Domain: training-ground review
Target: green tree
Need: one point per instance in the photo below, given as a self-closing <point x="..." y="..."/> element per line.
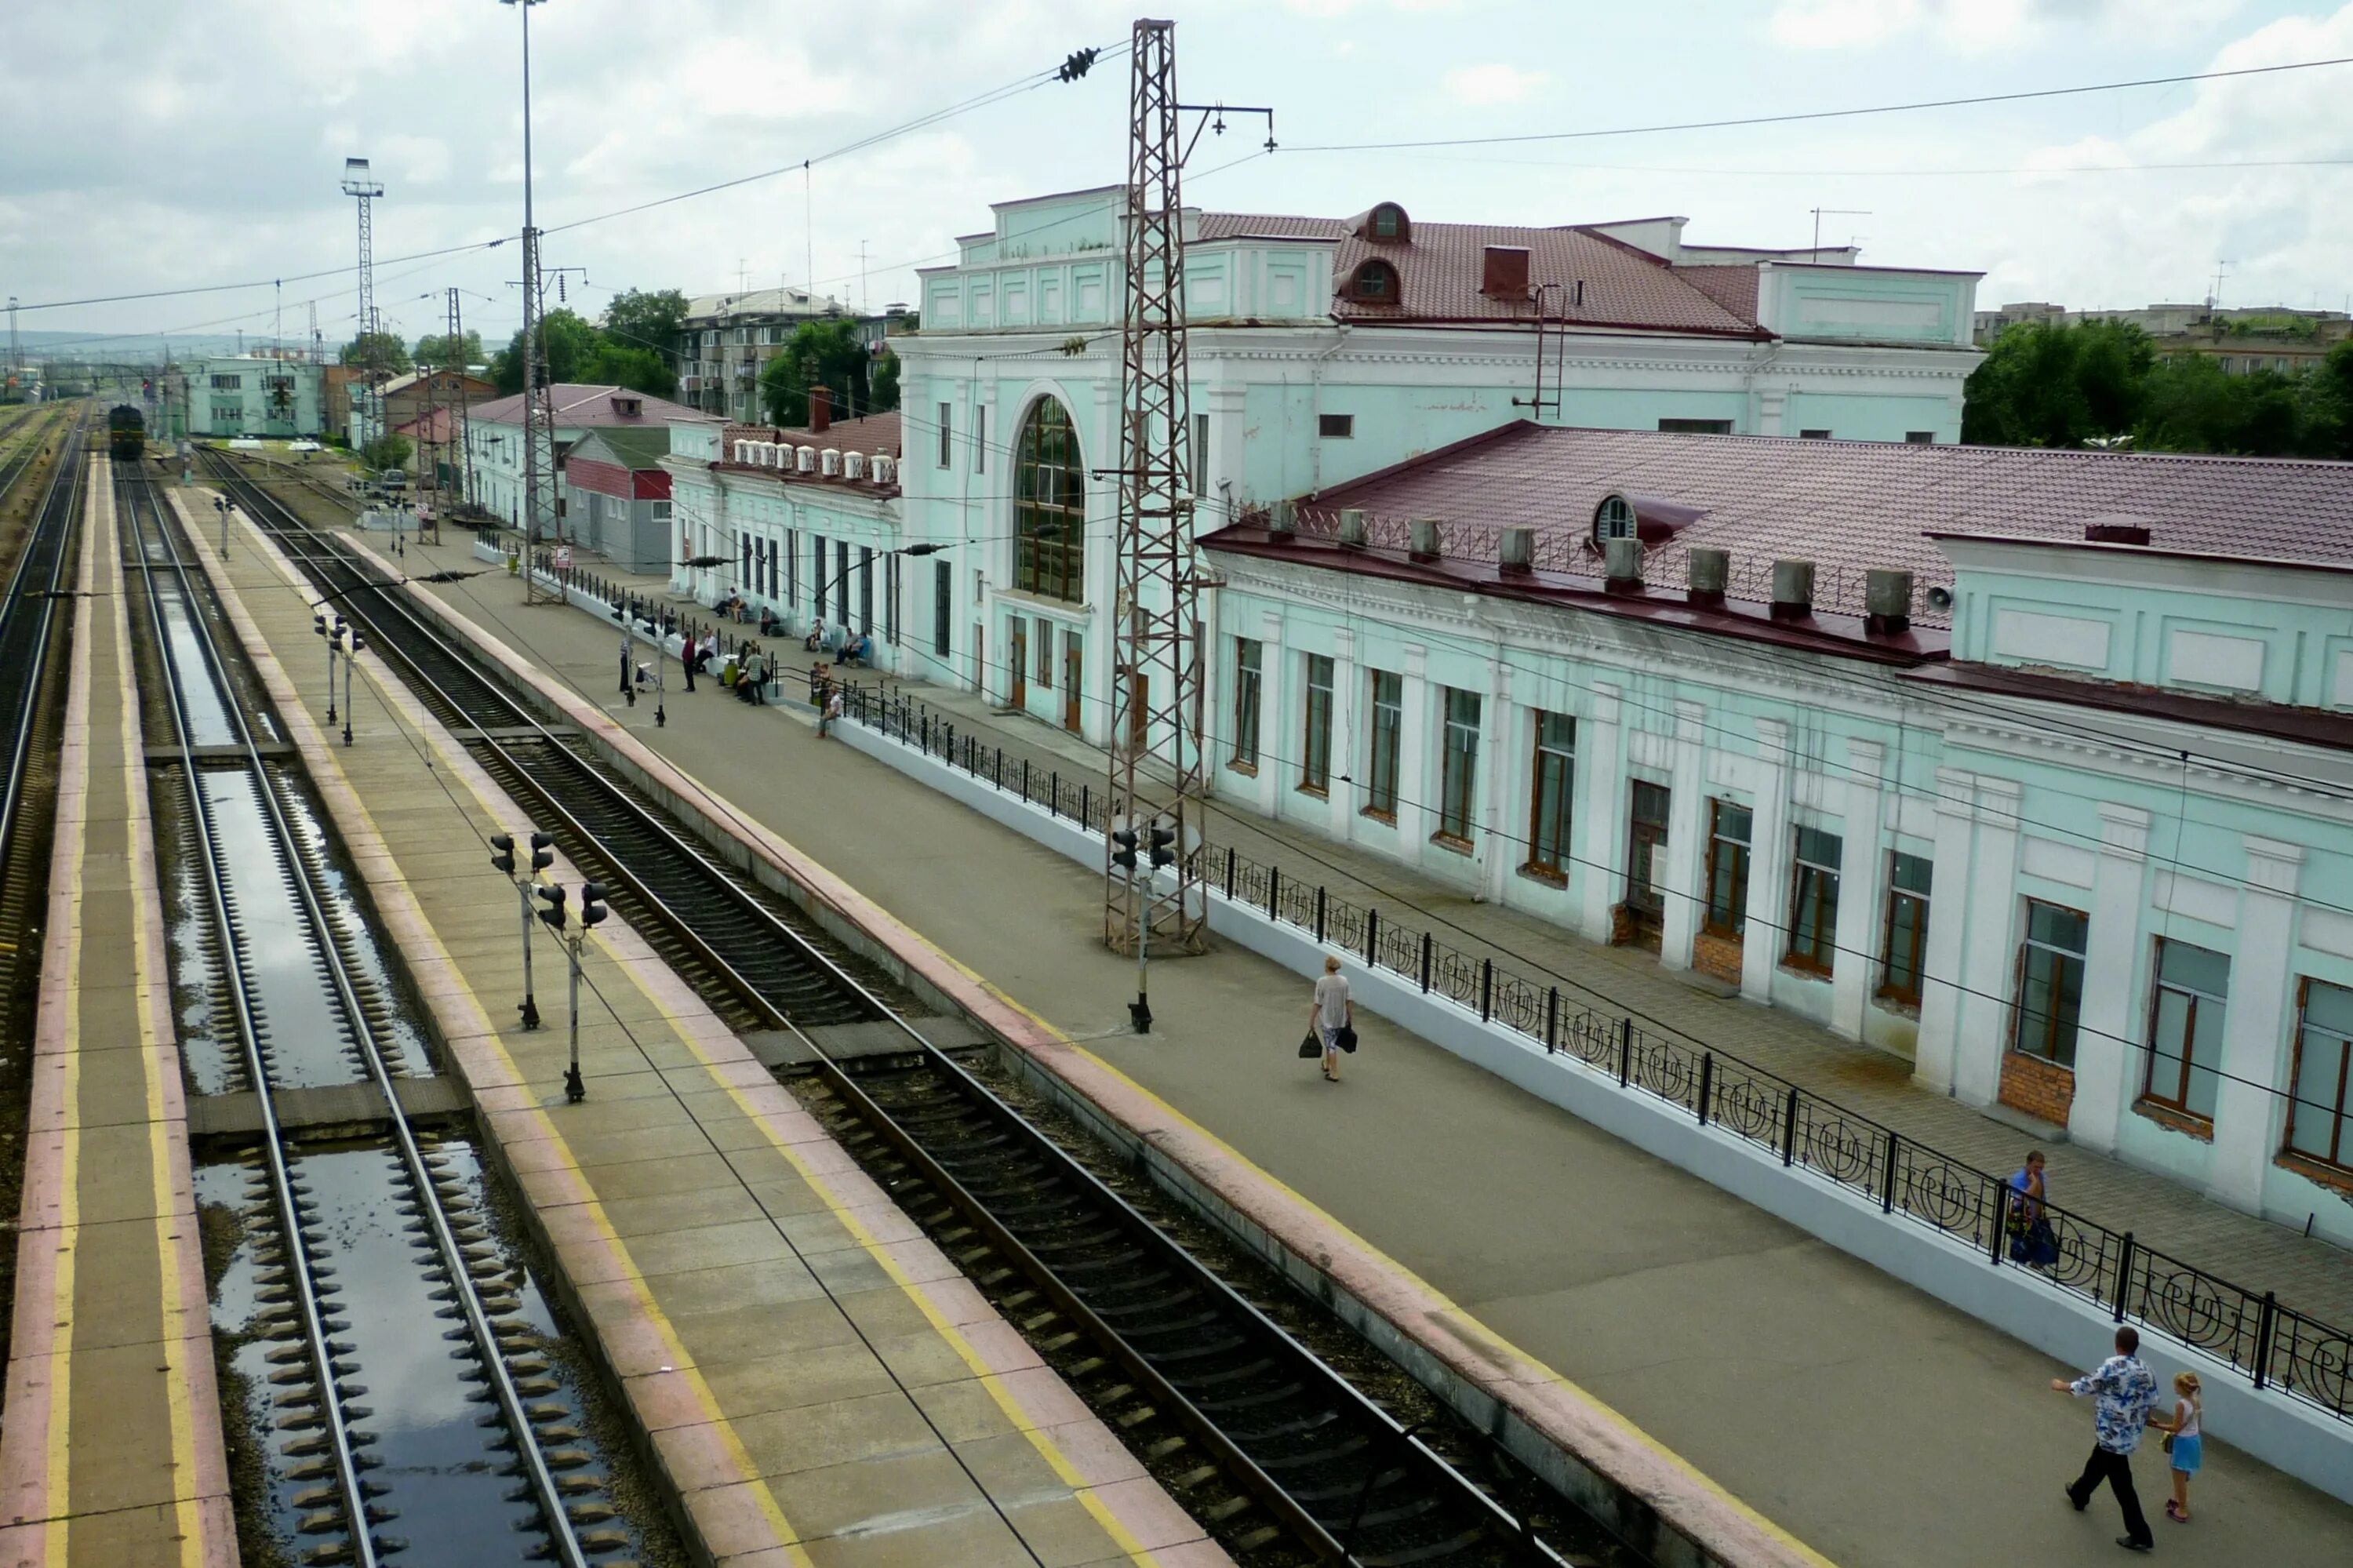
<point x="821" y="353"/>
<point x="387" y="451"/>
<point x="629" y="364"/>
<point x="2045" y="386"/>
<point x="435" y="351"/>
<point x="568" y="340"/>
<point x="650" y="320"/>
<point x="2192" y="405"/>
<point x="883" y="382"/>
<point x="362" y="350"/>
<point x="2328" y="392"/>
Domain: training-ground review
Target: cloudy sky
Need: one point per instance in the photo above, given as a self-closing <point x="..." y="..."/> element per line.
<point x="154" y="144"/>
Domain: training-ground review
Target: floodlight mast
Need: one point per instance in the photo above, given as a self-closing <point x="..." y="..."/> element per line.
<point x="364" y="188"/>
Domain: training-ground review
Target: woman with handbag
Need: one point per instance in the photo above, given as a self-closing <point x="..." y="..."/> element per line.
<point x="2032" y="1242"/>
<point x="1330" y="1012"/>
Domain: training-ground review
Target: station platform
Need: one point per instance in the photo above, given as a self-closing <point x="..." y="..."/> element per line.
<point x="112" y="1453"/>
<point x="819" y="1383"/>
<point x="1873" y="1423"/>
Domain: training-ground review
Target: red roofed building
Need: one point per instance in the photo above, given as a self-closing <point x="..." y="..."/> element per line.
<point x="494" y="439"/>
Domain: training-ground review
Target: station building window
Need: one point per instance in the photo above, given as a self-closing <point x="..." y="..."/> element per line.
<point x="1388" y="729"/>
<point x="1727" y="915"/>
<point x="1904" y="944"/>
<point x="2185" y="1027"/>
<point x="2320" y="1113"/>
<point x="1248" y="650"/>
<point x="1459" y="767"/>
<point x="2050" y="982"/>
<point x="1813" y="901"/>
<point x="1551" y="794"/>
<point x="1315" y="749"/>
<point x="1050" y="505"/>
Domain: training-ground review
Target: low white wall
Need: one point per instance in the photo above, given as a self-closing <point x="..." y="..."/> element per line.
<point x="2281" y="1431"/>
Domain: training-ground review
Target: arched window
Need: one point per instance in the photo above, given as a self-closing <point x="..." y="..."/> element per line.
<point x="1375" y="282"/>
<point x="1613" y="519"/>
<point x="1050" y="505"/>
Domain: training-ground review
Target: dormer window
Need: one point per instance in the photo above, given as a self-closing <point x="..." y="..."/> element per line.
<point x="1376" y="282"/>
<point x="1613" y="519"/>
<point x="1388" y="222"/>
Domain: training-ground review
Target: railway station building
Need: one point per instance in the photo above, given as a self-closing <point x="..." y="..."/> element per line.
<point x="494" y="439"/>
<point x="251" y="394"/>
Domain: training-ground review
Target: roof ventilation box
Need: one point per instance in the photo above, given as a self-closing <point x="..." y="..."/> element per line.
<point x="853" y="465"/>
<point x="1622" y="565"/>
<point x="1505" y="273"/>
<point x="1793" y="589"/>
<point x="1710" y="575"/>
<point x="1282" y="523"/>
<point x="830" y="461"/>
<point x="1352" y="527"/>
<point x="882" y="467"/>
<point x="1515" y="551"/>
<point x="1424" y="539"/>
<point x="805" y="460"/>
<point x="1886" y="601"/>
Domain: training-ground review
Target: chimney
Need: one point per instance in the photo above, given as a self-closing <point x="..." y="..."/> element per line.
<point x="1351" y="526"/>
<point x="820" y="410"/>
<point x="1886" y="601"/>
<point x="1423" y="544"/>
<point x="1622" y="565"/>
<point x="1506" y="274"/>
<point x="1517" y="552"/>
<point x="1282" y="523"/>
<point x="1711" y="573"/>
<point x="1793" y="590"/>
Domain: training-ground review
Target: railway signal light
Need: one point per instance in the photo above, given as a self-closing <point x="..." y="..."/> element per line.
<point x="503" y="854"/>
<point x="554" y="897"/>
<point x="1162" y="852"/>
<point x="542" y="854"/>
<point x="592" y="904"/>
<point x="1123" y="855"/>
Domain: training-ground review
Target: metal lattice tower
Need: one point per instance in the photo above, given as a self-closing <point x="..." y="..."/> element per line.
<point x="461" y="470"/>
<point x="365" y="188"/>
<point x="1157" y="773"/>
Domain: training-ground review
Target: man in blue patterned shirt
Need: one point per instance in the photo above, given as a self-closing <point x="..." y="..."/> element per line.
<point x="2126" y="1391"/>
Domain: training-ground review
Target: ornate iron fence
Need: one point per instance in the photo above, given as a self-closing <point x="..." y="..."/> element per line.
<point x="2275" y="1347"/>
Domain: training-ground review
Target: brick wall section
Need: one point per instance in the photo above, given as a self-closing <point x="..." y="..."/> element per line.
<point x="1717" y="957"/>
<point x="2038" y="1087"/>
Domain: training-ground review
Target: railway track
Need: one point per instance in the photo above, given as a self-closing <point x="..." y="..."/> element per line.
<point x="323" y="1216"/>
<point x="1282" y="1458"/>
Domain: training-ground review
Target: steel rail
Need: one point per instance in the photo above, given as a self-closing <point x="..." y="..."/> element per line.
<point x="1292" y="1515"/>
<point x="282" y="1182"/>
<point x="58" y="523"/>
<point x="543" y="1481"/>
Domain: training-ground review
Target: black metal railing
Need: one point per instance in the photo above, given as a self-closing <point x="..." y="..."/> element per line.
<point x="2275" y="1346"/>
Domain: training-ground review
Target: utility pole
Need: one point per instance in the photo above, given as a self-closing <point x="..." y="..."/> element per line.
<point x="318" y="348"/>
<point x="364" y="188"/>
<point x="461" y="470"/>
<point x="1156" y="776"/>
<point x="538" y="417"/>
<point x="16" y="359"/>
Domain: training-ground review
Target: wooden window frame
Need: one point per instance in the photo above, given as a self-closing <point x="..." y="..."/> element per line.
<point x="1385" y="765"/>
<point x="1734" y="926"/>
<point x="1249" y="691"/>
<point x="1458" y="766"/>
<point x="2177" y="1101"/>
<point x="2340" y="1134"/>
<point x="2027" y="946"/>
<point x="1891" y="988"/>
<point x="1316" y="748"/>
<point x="1542" y="758"/>
<point x="1821" y="958"/>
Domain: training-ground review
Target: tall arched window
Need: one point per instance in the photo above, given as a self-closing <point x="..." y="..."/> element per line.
<point x="1050" y="505"/>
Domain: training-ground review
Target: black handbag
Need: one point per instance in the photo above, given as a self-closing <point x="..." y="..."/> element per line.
<point x="1310" y="1047"/>
<point x="1344" y="1037"/>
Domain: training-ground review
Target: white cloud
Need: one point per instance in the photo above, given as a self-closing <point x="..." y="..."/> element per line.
<point x="1492" y="84"/>
<point x="1976" y="27"/>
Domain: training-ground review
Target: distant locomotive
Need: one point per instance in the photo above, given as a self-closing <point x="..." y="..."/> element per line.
<point x="126" y="432"/>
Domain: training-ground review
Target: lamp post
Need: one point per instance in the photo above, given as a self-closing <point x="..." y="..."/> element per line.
<point x="319" y="625"/>
<point x="542" y="855"/>
<point x="351" y="657"/>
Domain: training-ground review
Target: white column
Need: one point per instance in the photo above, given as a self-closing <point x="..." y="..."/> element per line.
<point x="1679" y="914"/>
<point x="2108" y="1056"/>
<point x="1934" y="1057"/>
<point x="1416" y="769"/>
<point x="1768" y="863"/>
<point x="1224" y="406"/>
<point x="2248" y="1110"/>
<point x="1277" y="769"/>
<point x="1601" y="808"/>
<point x="1501" y="745"/>
<point x="1862" y="868"/>
<point x="1991" y="954"/>
<point x="1346" y="743"/>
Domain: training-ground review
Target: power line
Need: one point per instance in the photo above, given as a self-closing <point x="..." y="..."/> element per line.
<point x="1797" y="116"/>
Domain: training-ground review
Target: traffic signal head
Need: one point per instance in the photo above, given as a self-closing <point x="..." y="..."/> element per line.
<point x="1162" y="852"/>
<point x="591" y="903"/>
<point x="542" y="856"/>
<point x="502" y="852"/>
<point x="553" y="896"/>
<point x="1123" y="852"/>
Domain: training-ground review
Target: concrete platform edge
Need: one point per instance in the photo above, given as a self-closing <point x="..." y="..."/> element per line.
<point x="1696" y="1521"/>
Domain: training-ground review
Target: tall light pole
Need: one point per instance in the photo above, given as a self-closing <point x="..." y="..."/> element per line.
<point x="364" y="188"/>
<point x="538" y="426"/>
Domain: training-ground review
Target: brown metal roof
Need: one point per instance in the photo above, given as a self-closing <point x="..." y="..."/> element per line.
<point x="867" y="434"/>
<point x="579" y="406"/>
<point x="1440" y="267"/>
<point x="1845" y="505"/>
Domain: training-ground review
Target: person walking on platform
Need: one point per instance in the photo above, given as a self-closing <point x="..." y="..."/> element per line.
<point x="687" y="654"/>
<point x="1332" y="1011"/>
<point x="2125" y="1391"/>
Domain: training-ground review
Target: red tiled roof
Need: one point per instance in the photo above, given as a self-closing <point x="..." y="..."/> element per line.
<point x="1846" y="506"/>
<point x="1734" y="287"/>
<point x="1440" y="269"/>
<point x="432" y="427"/>
<point x="867" y="434"/>
<point x="577" y="406"/>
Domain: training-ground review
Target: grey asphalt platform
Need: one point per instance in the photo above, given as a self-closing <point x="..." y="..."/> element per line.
<point x="1879" y="1425"/>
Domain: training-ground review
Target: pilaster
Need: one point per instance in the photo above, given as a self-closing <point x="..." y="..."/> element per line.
<point x="1679" y="914"/>
<point x="2106" y="1056"/>
<point x="1347" y="702"/>
<point x="1862" y="874"/>
<point x="1991" y="954"/>
<point x="1602" y="803"/>
<point x="2248" y="1110"/>
<point x="1935" y="1058"/>
<point x="1416" y="770"/>
<point x="1768" y="863"/>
